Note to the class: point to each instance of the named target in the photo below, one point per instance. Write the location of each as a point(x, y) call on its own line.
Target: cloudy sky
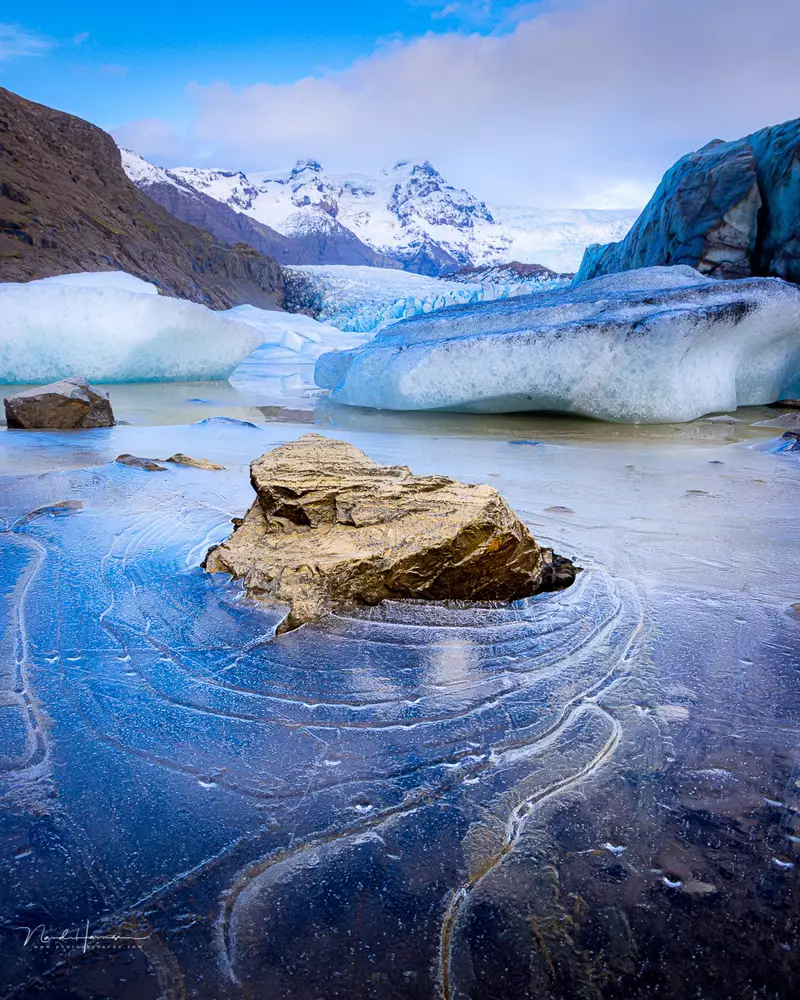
point(551, 103)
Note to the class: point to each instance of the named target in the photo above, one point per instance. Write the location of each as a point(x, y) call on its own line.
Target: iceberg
point(654, 345)
point(113, 327)
point(103, 279)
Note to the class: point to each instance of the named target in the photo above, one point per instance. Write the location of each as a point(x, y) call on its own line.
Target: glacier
point(365, 299)
point(654, 345)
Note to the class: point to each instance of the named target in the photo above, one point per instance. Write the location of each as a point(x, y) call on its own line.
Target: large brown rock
point(66, 405)
point(332, 528)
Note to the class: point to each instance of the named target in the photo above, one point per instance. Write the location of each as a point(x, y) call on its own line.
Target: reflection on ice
point(566, 796)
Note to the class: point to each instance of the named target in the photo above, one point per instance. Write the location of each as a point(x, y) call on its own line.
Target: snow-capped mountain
point(407, 216)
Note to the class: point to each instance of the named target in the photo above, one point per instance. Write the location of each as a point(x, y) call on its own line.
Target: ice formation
point(287, 336)
point(110, 327)
point(654, 345)
point(364, 299)
point(102, 279)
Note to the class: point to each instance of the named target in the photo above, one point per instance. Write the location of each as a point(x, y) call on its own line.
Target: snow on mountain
point(557, 237)
point(408, 213)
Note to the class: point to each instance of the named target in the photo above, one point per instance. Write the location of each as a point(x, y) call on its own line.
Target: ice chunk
point(286, 335)
point(364, 299)
point(110, 327)
point(103, 279)
point(654, 345)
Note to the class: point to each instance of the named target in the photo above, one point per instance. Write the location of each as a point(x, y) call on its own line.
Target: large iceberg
point(655, 345)
point(113, 327)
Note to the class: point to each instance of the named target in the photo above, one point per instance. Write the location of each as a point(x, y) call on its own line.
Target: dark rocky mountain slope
point(731, 210)
point(66, 205)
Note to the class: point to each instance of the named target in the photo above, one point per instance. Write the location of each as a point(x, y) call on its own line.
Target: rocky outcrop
point(331, 528)
point(730, 210)
point(514, 272)
point(66, 205)
point(66, 405)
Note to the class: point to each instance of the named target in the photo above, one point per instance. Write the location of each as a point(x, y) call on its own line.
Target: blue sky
point(549, 103)
point(116, 62)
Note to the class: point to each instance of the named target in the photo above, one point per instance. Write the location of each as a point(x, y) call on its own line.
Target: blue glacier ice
point(113, 328)
point(365, 299)
point(653, 345)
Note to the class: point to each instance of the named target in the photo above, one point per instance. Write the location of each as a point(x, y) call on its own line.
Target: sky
point(551, 103)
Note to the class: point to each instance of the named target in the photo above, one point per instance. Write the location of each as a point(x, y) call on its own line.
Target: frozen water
point(102, 279)
point(363, 299)
point(418, 796)
point(112, 328)
point(287, 336)
point(654, 345)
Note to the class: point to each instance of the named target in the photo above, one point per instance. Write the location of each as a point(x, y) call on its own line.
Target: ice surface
point(259, 817)
point(654, 345)
point(364, 299)
point(293, 335)
point(102, 279)
point(110, 327)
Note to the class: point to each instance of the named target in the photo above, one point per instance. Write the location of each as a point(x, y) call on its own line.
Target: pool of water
point(592, 793)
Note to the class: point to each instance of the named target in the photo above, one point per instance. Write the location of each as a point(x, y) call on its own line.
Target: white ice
point(102, 279)
point(111, 327)
point(365, 299)
point(651, 346)
point(293, 336)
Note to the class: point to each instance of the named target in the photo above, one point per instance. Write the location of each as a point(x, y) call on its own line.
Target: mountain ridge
point(407, 215)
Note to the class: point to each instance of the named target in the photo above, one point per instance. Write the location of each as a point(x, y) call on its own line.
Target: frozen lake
point(592, 793)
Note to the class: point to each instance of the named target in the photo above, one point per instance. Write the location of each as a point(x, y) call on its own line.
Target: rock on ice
point(653, 345)
point(111, 327)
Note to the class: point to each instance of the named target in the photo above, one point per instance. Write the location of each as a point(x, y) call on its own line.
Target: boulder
point(66, 405)
point(331, 528)
point(730, 210)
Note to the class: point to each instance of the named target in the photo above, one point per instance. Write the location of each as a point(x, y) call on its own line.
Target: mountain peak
point(302, 165)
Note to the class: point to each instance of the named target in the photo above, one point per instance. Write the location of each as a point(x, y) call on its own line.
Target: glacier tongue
point(364, 299)
point(655, 345)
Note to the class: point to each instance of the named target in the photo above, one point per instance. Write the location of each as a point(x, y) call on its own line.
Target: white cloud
point(16, 42)
point(113, 70)
point(583, 102)
point(80, 37)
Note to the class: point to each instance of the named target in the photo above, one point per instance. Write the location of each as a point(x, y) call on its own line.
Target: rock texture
point(66, 405)
point(66, 205)
point(730, 210)
point(330, 528)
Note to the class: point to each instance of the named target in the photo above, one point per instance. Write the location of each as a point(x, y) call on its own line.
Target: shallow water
point(588, 794)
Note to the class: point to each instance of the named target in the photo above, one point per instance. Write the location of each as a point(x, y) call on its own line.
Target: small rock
point(66, 405)
point(140, 463)
point(331, 528)
point(697, 888)
point(195, 463)
point(793, 437)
